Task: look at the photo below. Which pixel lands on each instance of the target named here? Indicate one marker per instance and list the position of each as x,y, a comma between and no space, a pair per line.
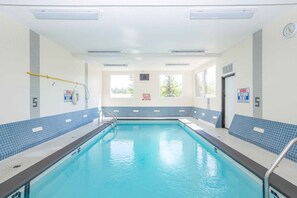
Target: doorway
228,100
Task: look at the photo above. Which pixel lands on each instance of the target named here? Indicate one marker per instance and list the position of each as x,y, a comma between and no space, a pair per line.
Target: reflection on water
170,151
122,151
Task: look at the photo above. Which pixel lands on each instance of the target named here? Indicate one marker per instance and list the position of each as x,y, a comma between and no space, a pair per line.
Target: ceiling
145,33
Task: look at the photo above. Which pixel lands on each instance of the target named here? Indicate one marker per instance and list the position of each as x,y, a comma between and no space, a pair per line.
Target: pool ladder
274,165
114,120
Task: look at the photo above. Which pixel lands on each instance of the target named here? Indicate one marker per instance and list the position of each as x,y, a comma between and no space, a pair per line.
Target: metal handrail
114,116
274,165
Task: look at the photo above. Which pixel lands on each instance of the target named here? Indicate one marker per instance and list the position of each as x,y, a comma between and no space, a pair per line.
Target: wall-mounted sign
243,95
146,96
68,95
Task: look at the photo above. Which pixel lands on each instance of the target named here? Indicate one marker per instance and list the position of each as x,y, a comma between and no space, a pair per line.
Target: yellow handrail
53,78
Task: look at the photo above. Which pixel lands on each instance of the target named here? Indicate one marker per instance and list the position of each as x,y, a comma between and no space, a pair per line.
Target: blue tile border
18,136
211,116
150,111
275,137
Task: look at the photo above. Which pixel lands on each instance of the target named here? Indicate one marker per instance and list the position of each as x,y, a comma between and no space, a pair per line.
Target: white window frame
204,95
215,81
203,84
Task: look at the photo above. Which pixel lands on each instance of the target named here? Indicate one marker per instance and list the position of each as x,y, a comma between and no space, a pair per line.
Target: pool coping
23,178
280,184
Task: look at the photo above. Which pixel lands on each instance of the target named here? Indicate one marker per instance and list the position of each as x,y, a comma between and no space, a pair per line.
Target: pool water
147,161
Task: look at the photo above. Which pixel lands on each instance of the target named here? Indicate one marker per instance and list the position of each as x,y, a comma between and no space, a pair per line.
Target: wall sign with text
243,95
68,95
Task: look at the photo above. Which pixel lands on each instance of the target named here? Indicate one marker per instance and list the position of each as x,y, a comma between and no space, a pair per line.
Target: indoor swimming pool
148,159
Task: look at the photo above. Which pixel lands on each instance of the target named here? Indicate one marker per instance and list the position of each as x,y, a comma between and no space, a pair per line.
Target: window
210,82
121,86
199,84
170,85
205,83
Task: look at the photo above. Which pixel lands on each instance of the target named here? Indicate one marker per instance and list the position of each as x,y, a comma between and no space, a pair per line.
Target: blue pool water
147,161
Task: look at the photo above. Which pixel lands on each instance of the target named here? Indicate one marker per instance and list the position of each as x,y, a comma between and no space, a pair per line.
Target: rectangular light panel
221,14
66,14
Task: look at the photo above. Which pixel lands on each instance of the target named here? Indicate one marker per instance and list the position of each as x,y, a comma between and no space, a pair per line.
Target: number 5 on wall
35,102
257,101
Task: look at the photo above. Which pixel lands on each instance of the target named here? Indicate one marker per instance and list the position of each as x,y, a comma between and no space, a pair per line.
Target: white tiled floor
287,168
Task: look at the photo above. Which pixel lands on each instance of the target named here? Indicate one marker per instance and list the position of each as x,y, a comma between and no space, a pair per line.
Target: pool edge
23,178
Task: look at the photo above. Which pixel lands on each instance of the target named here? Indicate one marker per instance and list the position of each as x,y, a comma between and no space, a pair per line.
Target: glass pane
170,85
121,86
210,82
199,85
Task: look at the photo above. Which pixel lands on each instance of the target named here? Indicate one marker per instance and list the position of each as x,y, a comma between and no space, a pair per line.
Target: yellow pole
54,78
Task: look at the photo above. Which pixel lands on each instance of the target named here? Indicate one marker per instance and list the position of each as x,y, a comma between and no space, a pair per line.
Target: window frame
204,73
215,82
203,85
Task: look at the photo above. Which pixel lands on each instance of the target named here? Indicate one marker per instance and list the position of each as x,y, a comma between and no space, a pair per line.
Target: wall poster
243,95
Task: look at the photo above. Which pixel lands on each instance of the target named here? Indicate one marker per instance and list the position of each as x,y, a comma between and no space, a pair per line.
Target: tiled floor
287,168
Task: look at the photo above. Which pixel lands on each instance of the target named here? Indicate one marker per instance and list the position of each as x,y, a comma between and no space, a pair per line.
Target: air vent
227,69
144,77
115,65
188,52
177,64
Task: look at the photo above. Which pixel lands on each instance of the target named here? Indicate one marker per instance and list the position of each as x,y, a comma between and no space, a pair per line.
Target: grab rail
114,116
274,165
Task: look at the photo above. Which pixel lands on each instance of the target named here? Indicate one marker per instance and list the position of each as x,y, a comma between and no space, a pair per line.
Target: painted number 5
257,101
35,103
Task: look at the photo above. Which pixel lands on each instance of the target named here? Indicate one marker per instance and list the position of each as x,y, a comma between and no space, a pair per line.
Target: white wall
95,85
54,61
14,63
241,58
152,87
279,73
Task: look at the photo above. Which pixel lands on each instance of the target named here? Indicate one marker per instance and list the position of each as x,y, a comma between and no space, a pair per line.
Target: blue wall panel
275,137
150,111
211,116
18,136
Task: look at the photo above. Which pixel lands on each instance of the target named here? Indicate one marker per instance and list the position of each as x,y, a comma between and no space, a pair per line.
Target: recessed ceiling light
135,51
115,65
138,58
177,64
221,14
188,52
104,52
66,14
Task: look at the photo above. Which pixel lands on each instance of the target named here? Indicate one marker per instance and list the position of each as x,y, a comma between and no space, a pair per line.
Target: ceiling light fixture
104,52
66,14
187,52
177,64
115,65
222,14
